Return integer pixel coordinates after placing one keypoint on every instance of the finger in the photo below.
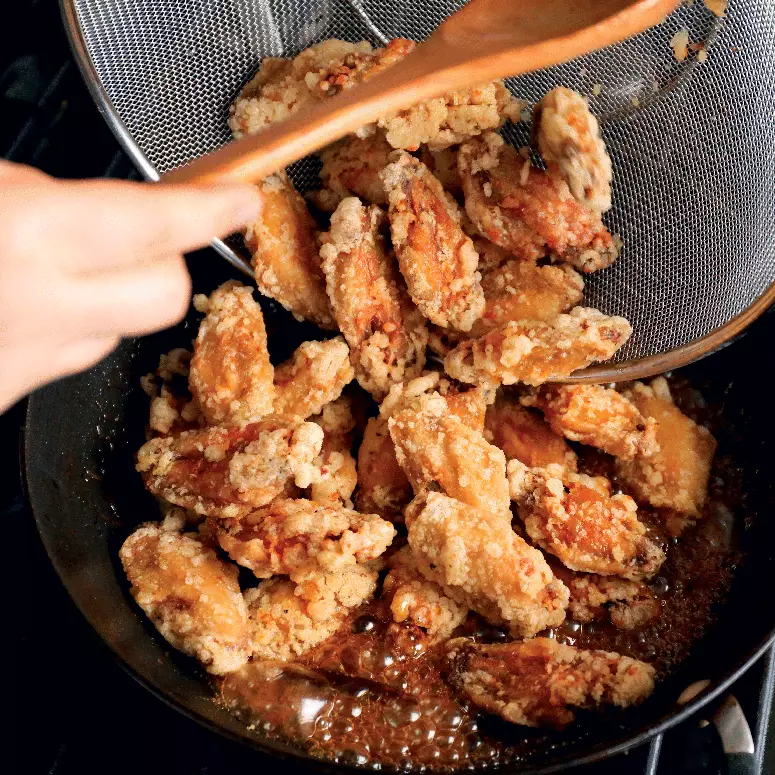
(134, 300)
(80, 355)
(137, 222)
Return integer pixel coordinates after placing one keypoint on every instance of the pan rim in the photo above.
(620, 744)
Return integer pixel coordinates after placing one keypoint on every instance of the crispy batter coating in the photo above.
(298, 537)
(598, 416)
(312, 377)
(538, 682)
(436, 256)
(480, 562)
(437, 449)
(225, 472)
(443, 164)
(190, 595)
(522, 290)
(339, 475)
(285, 253)
(568, 137)
(351, 167)
(491, 256)
(534, 351)
(385, 330)
(676, 477)
(523, 435)
(414, 599)
(382, 484)
(288, 619)
(231, 376)
(630, 605)
(527, 211)
(576, 518)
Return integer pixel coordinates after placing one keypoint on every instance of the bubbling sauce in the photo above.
(375, 695)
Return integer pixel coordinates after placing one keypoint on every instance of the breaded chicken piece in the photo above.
(312, 377)
(535, 351)
(414, 599)
(436, 256)
(523, 435)
(527, 211)
(630, 605)
(437, 449)
(190, 595)
(297, 537)
(576, 518)
(288, 619)
(598, 416)
(443, 166)
(226, 472)
(568, 137)
(351, 167)
(676, 477)
(481, 563)
(231, 376)
(538, 682)
(522, 290)
(339, 475)
(285, 254)
(386, 332)
(283, 86)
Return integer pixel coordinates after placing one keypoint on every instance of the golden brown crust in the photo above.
(437, 449)
(312, 377)
(534, 351)
(339, 475)
(522, 290)
(576, 518)
(538, 682)
(524, 436)
(480, 562)
(598, 416)
(676, 477)
(231, 376)
(569, 140)
(527, 211)
(191, 596)
(298, 537)
(372, 308)
(224, 472)
(436, 257)
(285, 253)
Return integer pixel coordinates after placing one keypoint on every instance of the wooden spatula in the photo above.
(484, 40)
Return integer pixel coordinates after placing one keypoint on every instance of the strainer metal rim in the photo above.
(636, 368)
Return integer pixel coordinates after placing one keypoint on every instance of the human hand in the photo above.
(83, 263)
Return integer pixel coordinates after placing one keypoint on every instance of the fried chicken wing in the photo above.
(598, 416)
(288, 619)
(522, 290)
(576, 518)
(386, 332)
(534, 351)
(285, 253)
(437, 449)
(538, 683)
(414, 599)
(225, 472)
(297, 537)
(231, 376)
(527, 211)
(312, 377)
(190, 595)
(351, 167)
(436, 257)
(481, 563)
(676, 477)
(524, 436)
(569, 140)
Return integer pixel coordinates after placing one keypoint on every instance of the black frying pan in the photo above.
(81, 434)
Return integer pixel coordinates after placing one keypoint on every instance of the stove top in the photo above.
(74, 710)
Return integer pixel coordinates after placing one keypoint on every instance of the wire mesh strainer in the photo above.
(692, 143)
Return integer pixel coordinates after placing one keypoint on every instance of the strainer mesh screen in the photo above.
(693, 144)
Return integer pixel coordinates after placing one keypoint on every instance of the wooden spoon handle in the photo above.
(455, 57)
